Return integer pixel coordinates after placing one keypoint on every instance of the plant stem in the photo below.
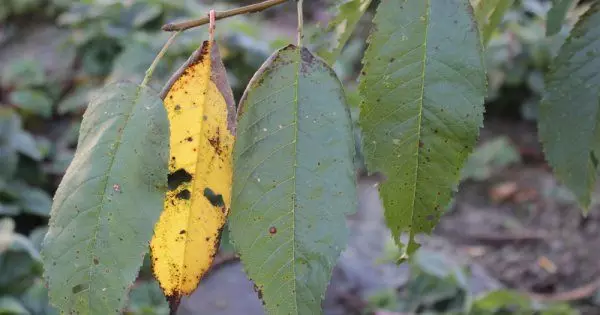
(161, 53)
(172, 27)
(300, 22)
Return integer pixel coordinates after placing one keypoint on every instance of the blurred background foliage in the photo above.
(54, 55)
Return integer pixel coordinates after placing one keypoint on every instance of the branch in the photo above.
(158, 57)
(172, 27)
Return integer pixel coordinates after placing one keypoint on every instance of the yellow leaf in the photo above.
(200, 106)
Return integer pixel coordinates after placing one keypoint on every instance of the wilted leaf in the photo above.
(201, 113)
(32, 101)
(293, 180)
(423, 85)
(556, 16)
(340, 28)
(107, 204)
(570, 109)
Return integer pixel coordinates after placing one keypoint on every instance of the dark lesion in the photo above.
(215, 199)
(178, 178)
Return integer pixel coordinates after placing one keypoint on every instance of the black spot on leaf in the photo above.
(178, 177)
(214, 198)
(184, 194)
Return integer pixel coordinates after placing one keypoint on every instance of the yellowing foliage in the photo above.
(201, 110)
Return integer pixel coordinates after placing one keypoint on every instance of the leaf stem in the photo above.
(172, 27)
(300, 22)
(161, 53)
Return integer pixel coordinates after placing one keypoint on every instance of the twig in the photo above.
(211, 26)
(300, 22)
(579, 293)
(161, 53)
(172, 27)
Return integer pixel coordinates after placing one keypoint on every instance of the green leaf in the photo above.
(76, 101)
(26, 144)
(492, 18)
(423, 85)
(10, 126)
(106, 206)
(556, 16)
(340, 28)
(491, 155)
(11, 306)
(37, 236)
(570, 108)
(293, 180)
(23, 73)
(36, 299)
(35, 201)
(147, 298)
(20, 264)
(32, 101)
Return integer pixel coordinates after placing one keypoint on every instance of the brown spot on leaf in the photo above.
(273, 230)
(189, 139)
(215, 142)
(181, 232)
(96, 261)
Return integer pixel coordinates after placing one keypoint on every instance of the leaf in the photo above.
(23, 73)
(490, 16)
(147, 298)
(26, 144)
(20, 264)
(293, 180)
(35, 201)
(423, 85)
(491, 155)
(12, 306)
(32, 101)
(339, 29)
(201, 112)
(107, 204)
(570, 108)
(556, 16)
(76, 101)
(10, 127)
(36, 299)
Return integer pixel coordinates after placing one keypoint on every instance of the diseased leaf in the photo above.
(293, 180)
(201, 113)
(570, 109)
(556, 16)
(107, 204)
(340, 28)
(423, 85)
